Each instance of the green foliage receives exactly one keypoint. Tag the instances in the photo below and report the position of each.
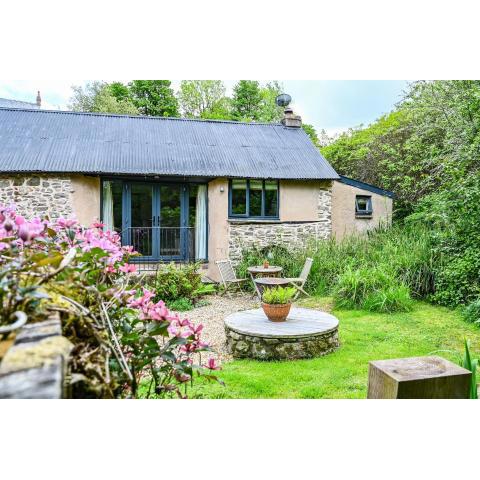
(278, 295)
(311, 132)
(101, 97)
(371, 289)
(452, 218)
(175, 283)
(364, 337)
(246, 98)
(180, 305)
(252, 102)
(471, 313)
(154, 97)
(404, 252)
(470, 364)
(203, 99)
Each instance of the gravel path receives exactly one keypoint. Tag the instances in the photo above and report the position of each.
(211, 316)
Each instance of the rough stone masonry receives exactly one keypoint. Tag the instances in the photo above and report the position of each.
(37, 195)
(247, 235)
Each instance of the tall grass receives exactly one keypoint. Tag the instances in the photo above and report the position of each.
(402, 252)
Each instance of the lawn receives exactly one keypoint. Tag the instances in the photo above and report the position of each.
(364, 336)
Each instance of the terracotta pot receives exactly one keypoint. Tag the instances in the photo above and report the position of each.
(266, 264)
(275, 312)
(5, 344)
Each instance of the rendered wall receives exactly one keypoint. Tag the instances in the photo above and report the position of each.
(305, 212)
(344, 221)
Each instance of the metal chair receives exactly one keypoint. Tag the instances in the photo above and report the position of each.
(228, 275)
(300, 281)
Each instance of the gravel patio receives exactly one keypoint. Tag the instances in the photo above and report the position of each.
(212, 315)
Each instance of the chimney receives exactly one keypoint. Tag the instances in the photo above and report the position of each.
(39, 99)
(290, 119)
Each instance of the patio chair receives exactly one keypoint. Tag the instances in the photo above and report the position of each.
(300, 281)
(228, 275)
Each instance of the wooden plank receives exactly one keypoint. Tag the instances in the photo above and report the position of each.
(42, 382)
(417, 377)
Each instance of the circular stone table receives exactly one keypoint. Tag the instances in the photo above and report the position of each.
(305, 334)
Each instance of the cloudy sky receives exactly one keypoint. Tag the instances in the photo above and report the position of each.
(334, 105)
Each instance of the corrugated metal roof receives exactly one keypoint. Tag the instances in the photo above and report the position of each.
(58, 141)
(8, 103)
(366, 186)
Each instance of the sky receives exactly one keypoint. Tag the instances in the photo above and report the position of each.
(332, 105)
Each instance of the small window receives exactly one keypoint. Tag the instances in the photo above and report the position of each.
(254, 198)
(363, 205)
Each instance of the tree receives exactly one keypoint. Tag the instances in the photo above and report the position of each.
(247, 97)
(253, 102)
(268, 110)
(97, 97)
(154, 97)
(203, 99)
(311, 132)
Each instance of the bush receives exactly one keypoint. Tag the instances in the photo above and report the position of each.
(371, 289)
(181, 305)
(180, 282)
(403, 250)
(471, 313)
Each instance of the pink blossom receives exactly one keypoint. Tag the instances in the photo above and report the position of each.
(19, 220)
(24, 232)
(212, 365)
(66, 223)
(128, 268)
(196, 329)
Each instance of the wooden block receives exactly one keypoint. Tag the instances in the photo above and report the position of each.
(417, 377)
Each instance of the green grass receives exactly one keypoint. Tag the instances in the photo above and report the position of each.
(364, 336)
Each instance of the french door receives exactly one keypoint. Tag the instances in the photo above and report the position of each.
(156, 219)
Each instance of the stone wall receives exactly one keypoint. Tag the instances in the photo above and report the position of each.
(244, 235)
(38, 195)
(36, 365)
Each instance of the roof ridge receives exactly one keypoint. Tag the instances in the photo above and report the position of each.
(143, 117)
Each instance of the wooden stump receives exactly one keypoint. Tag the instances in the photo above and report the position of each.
(417, 377)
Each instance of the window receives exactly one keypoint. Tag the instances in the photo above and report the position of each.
(363, 206)
(253, 198)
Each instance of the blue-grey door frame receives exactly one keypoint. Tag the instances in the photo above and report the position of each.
(156, 220)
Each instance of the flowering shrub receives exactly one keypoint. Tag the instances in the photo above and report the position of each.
(119, 337)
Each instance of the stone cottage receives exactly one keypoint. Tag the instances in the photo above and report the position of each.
(180, 189)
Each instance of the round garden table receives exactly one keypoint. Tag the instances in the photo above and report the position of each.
(262, 283)
(260, 271)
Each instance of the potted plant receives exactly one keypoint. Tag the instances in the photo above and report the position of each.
(8, 332)
(266, 264)
(276, 302)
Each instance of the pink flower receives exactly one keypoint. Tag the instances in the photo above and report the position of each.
(98, 224)
(8, 225)
(19, 220)
(66, 223)
(212, 365)
(24, 232)
(196, 329)
(128, 268)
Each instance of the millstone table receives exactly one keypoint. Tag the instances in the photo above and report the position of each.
(306, 333)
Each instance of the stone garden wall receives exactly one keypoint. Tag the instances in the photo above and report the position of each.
(248, 234)
(38, 195)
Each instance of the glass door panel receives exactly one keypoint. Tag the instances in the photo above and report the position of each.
(171, 238)
(142, 235)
